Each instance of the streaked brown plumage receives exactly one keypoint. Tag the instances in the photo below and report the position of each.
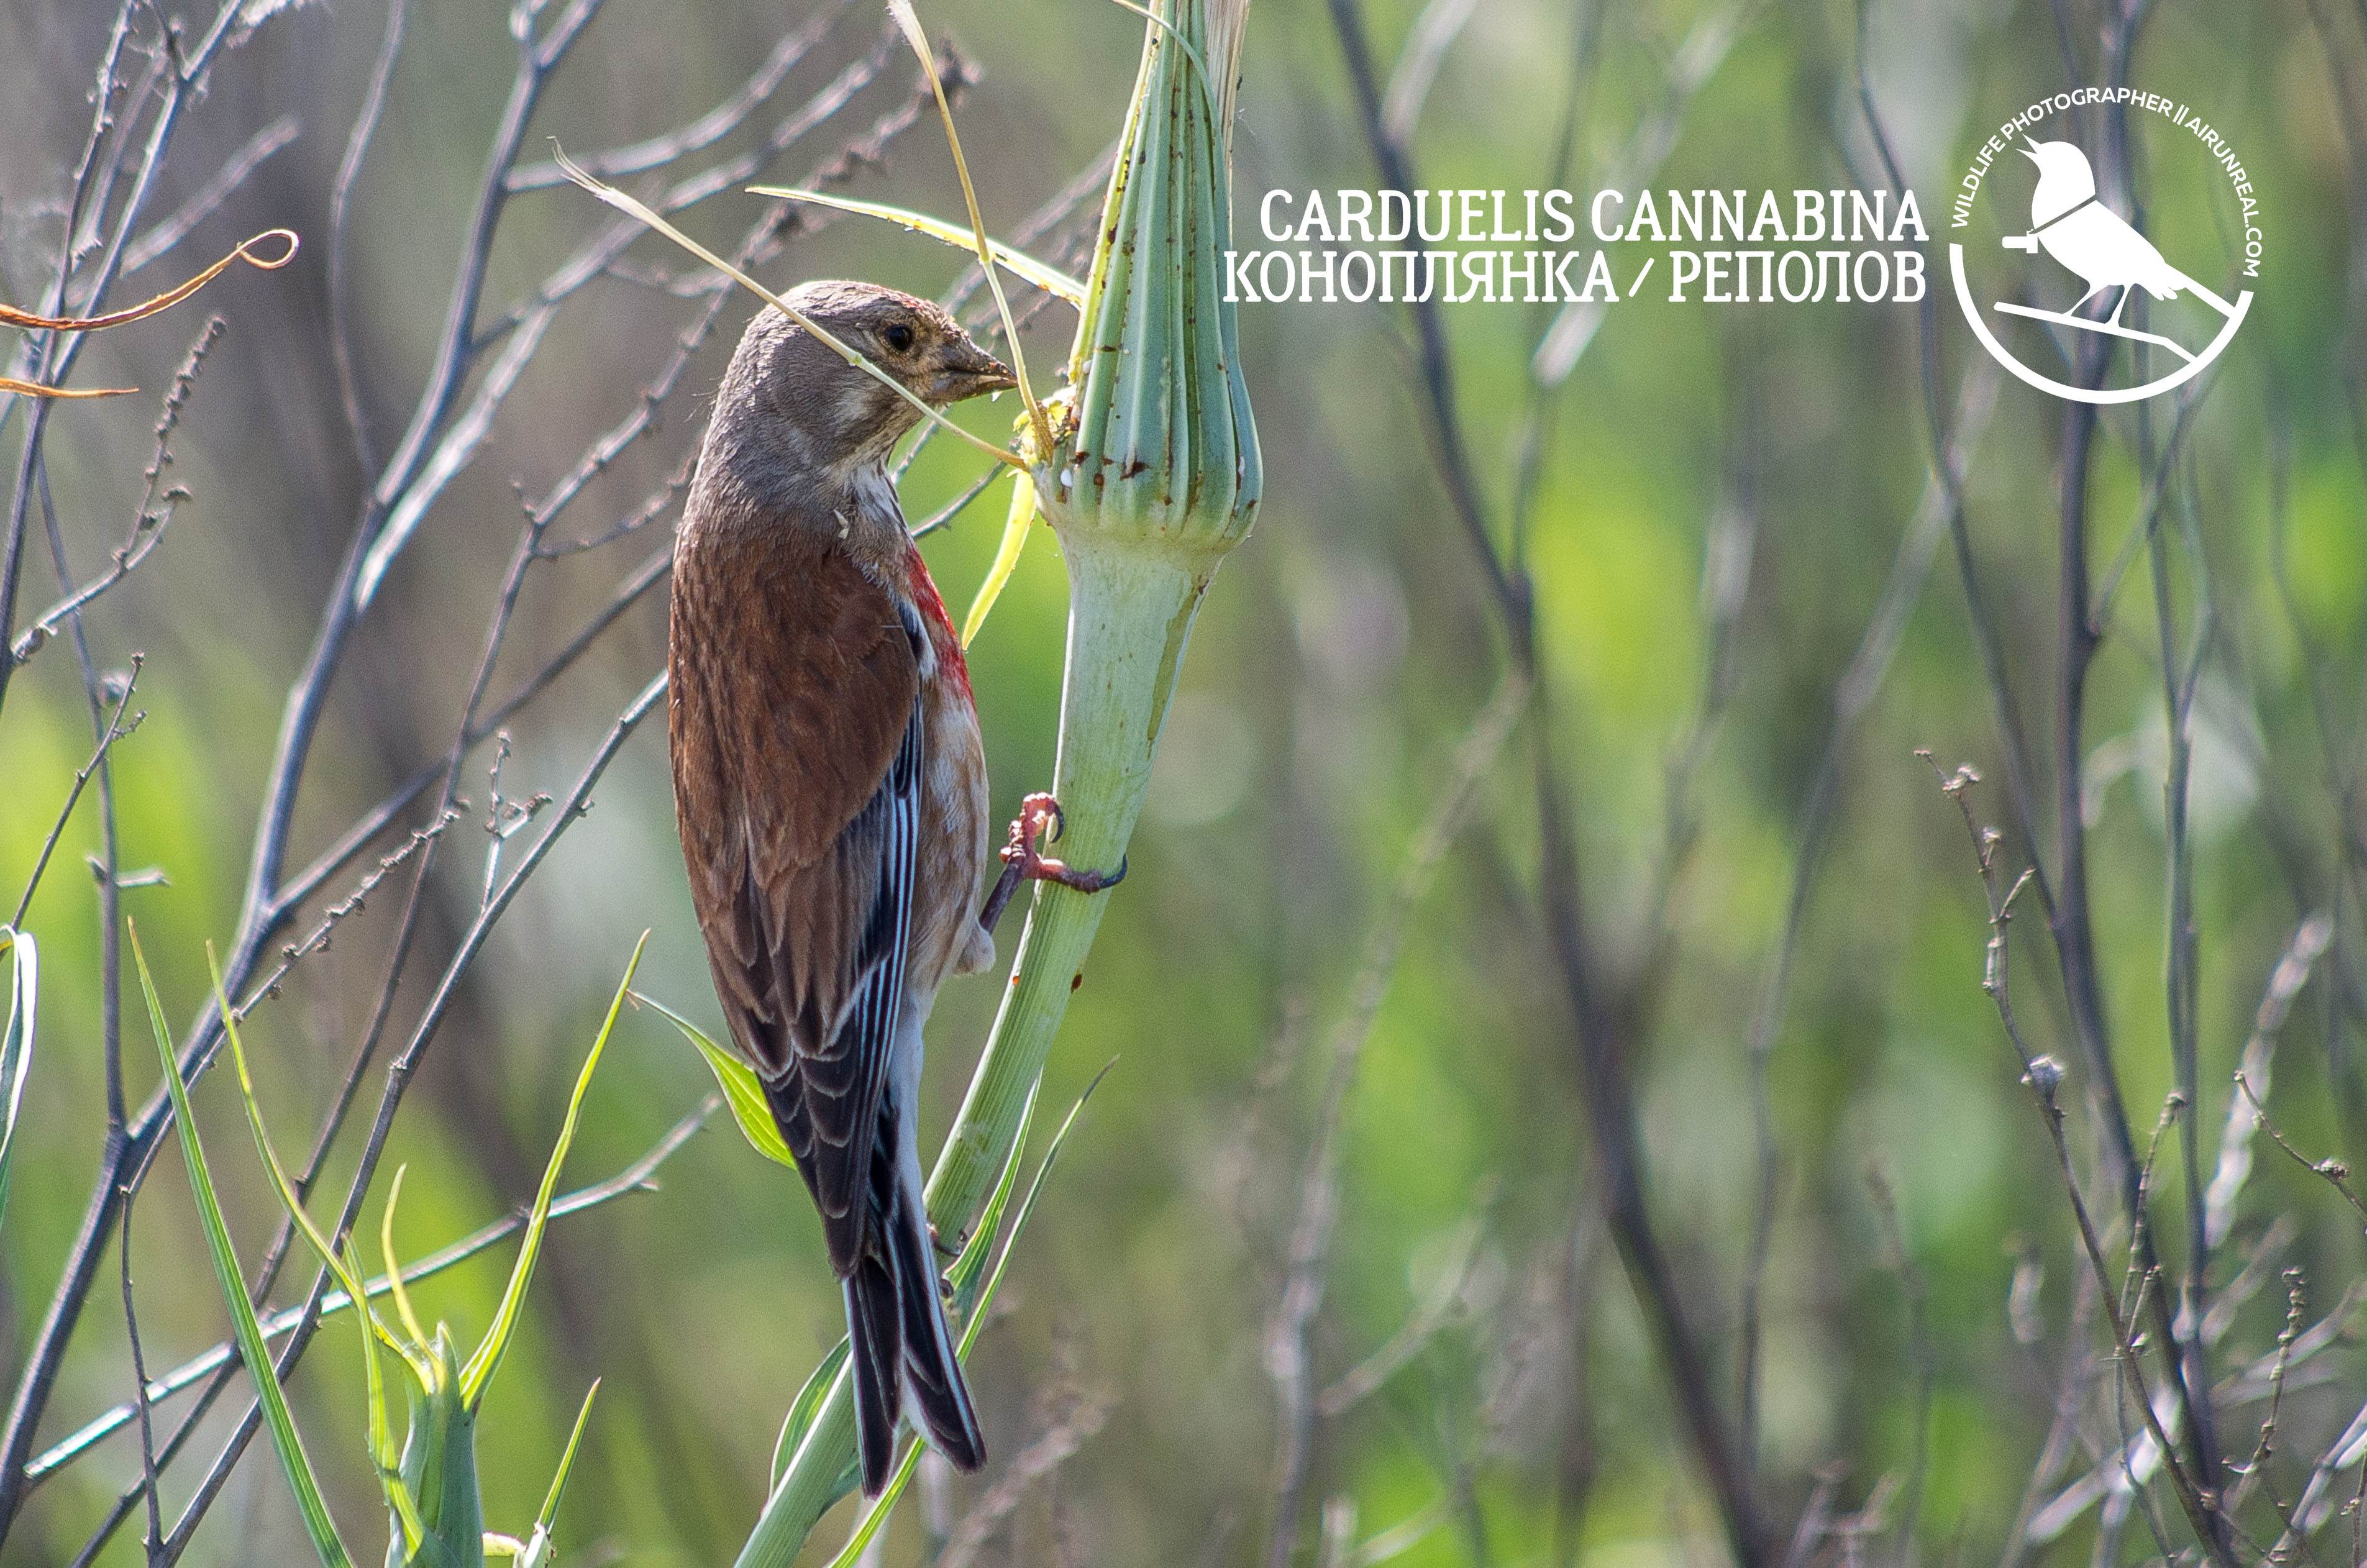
(830, 790)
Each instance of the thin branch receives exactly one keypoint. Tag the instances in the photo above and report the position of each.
(1920, 1351)
(116, 730)
(160, 239)
(2021, 769)
(944, 516)
(1031, 1465)
(155, 512)
(2309, 942)
(2043, 1076)
(55, 359)
(701, 133)
(304, 884)
(1860, 680)
(2335, 1173)
(140, 1401)
(1431, 1314)
(1437, 369)
(341, 196)
(267, 988)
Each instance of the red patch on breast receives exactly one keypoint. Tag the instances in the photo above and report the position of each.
(941, 635)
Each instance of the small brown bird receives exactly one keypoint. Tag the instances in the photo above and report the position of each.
(831, 790)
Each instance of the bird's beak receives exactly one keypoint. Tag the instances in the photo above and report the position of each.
(969, 370)
(2028, 149)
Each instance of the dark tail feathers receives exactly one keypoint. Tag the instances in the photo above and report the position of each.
(895, 1323)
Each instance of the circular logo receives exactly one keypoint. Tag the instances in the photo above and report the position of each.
(2092, 273)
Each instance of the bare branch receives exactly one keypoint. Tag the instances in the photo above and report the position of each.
(159, 240)
(2043, 1076)
(154, 514)
(341, 196)
(1038, 1459)
(116, 730)
(701, 133)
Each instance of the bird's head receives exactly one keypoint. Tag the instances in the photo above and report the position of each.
(2061, 164)
(837, 415)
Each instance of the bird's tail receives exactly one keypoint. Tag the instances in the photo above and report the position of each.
(2197, 289)
(899, 1340)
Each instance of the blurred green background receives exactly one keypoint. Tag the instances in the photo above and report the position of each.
(1343, 655)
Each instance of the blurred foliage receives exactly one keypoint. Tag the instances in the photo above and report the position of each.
(1341, 658)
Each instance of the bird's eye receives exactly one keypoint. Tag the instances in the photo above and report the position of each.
(899, 337)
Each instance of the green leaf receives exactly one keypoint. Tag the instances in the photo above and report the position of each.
(1017, 263)
(409, 1531)
(232, 1281)
(1006, 555)
(394, 1282)
(386, 1460)
(538, 1552)
(478, 1372)
(877, 1518)
(15, 1041)
(439, 1470)
(346, 1265)
(743, 1091)
(805, 1408)
(977, 1320)
(347, 1276)
(968, 1272)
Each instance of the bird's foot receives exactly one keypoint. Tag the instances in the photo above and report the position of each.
(945, 1250)
(1040, 822)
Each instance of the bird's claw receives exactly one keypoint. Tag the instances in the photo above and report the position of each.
(1041, 819)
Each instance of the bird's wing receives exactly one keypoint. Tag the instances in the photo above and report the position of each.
(802, 872)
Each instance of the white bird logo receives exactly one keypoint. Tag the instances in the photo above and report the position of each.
(2071, 223)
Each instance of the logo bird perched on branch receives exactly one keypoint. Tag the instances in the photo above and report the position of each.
(2071, 223)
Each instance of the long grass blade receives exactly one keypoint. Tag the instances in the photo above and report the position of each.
(284, 1440)
(909, 22)
(650, 214)
(17, 1041)
(290, 1198)
(1017, 263)
(968, 1271)
(386, 1458)
(394, 1282)
(539, 1550)
(478, 1370)
(1006, 555)
(805, 1408)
